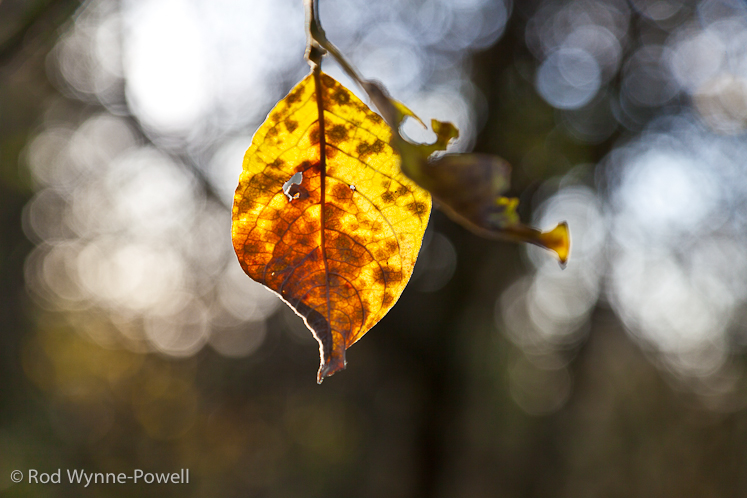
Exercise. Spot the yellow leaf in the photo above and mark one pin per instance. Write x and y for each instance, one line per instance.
(324, 217)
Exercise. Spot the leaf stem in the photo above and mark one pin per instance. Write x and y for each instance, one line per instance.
(314, 50)
(317, 45)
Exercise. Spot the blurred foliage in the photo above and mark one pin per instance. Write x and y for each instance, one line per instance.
(129, 340)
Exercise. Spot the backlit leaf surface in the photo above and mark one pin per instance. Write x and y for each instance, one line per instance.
(324, 217)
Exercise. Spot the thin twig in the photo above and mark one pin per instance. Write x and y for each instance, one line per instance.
(318, 45)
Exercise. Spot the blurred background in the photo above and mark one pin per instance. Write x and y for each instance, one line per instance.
(130, 338)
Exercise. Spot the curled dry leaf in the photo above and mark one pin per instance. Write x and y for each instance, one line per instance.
(470, 188)
(324, 217)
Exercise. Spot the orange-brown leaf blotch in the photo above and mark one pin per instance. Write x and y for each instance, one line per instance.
(324, 217)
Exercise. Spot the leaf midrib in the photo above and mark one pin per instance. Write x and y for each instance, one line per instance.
(323, 174)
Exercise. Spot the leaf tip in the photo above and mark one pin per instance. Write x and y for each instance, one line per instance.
(558, 240)
(329, 368)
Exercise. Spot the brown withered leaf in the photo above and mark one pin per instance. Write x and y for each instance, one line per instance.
(324, 217)
(470, 188)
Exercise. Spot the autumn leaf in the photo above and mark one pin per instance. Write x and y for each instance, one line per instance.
(324, 217)
(470, 188)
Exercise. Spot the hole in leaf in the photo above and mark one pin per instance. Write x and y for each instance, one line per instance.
(293, 189)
